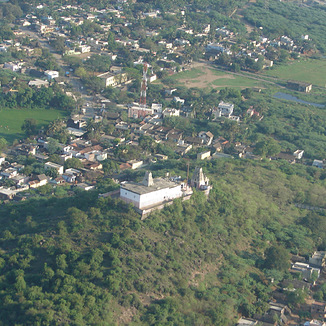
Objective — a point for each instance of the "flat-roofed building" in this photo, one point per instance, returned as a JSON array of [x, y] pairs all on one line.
[[50, 165], [150, 192]]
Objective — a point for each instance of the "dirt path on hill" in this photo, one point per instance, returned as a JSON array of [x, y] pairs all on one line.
[[239, 13]]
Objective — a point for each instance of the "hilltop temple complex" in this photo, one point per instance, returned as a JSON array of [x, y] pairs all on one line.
[[155, 193]]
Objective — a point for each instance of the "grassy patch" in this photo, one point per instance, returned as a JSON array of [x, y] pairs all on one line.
[[310, 71], [11, 120], [237, 82]]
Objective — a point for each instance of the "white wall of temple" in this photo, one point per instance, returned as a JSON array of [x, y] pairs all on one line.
[[151, 198], [160, 196], [130, 197]]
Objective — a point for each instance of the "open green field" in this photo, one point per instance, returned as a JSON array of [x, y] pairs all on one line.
[[11, 120], [310, 71], [203, 76], [234, 81], [189, 74]]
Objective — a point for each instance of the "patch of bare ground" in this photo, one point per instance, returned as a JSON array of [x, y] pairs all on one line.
[[239, 12], [147, 298], [206, 79], [127, 315]]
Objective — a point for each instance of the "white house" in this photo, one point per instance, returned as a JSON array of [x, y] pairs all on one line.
[[223, 110], [51, 74], [150, 192], [51, 165], [203, 155], [13, 66], [170, 112], [135, 164], [157, 107], [39, 181], [84, 48], [113, 79]]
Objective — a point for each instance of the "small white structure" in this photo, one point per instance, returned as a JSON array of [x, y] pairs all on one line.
[[51, 165], [51, 74], [177, 99], [298, 154], [113, 79], [169, 112], [151, 78], [318, 164], [85, 186], [39, 181], [13, 66], [150, 192], [138, 111], [207, 28], [38, 83], [223, 110], [203, 155], [247, 322], [9, 173], [6, 193], [135, 164], [306, 270], [157, 107], [84, 48]]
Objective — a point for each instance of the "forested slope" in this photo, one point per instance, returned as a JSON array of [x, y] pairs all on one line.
[[87, 261]]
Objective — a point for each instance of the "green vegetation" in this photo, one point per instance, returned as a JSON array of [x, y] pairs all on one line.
[[236, 82], [189, 74], [309, 71], [291, 19], [89, 261], [13, 119]]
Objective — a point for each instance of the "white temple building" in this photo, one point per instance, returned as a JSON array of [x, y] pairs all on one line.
[[150, 192], [155, 193]]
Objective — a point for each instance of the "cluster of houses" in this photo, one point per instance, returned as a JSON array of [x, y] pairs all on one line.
[[13, 173], [305, 275], [254, 49]]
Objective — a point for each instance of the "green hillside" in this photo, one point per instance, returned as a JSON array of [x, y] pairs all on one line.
[[85, 261]]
